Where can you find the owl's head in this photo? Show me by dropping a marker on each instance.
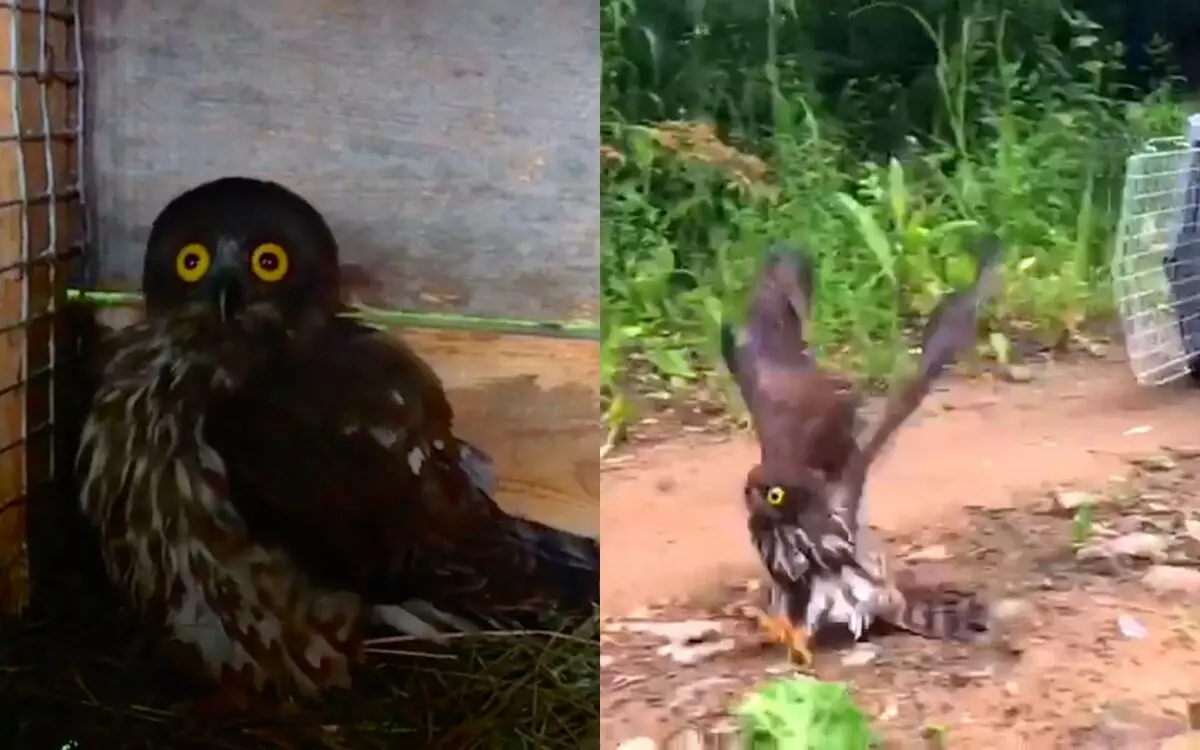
(237, 244)
(780, 500)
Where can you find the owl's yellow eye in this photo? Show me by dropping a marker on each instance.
(269, 262)
(192, 262)
(775, 496)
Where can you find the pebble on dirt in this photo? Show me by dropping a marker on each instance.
(680, 631)
(1172, 578)
(688, 654)
(932, 553)
(1155, 463)
(861, 655)
(1074, 499)
(1018, 373)
(1139, 544)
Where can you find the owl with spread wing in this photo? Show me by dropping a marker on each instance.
(270, 478)
(805, 497)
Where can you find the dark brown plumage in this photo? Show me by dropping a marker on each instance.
(268, 478)
(804, 499)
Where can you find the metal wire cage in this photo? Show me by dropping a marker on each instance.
(1156, 264)
(41, 229)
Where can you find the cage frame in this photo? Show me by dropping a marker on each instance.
(42, 229)
(1157, 300)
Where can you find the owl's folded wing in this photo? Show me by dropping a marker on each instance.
(346, 457)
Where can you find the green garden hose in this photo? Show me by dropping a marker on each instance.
(583, 330)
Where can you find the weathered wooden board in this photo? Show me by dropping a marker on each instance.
(530, 403)
(453, 145)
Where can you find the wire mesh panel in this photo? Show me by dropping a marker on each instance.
(1156, 266)
(40, 106)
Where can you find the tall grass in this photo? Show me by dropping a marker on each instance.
(723, 135)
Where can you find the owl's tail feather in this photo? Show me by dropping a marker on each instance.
(566, 566)
(940, 613)
(563, 568)
(563, 581)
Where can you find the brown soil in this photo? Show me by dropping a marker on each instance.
(972, 473)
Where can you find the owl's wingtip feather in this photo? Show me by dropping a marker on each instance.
(567, 570)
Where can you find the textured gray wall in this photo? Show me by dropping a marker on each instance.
(453, 145)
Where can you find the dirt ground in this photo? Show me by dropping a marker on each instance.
(1101, 646)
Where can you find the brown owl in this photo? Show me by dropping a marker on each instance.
(269, 477)
(804, 498)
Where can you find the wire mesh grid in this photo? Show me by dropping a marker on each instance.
(1156, 265)
(41, 191)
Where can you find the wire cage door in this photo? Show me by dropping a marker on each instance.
(1156, 265)
(40, 195)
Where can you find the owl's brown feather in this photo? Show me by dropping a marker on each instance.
(269, 479)
(815, 455)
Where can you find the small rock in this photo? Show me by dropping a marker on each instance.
(689, 738)
(1183, 451)
(1192, 527)
(1017, 373)
(1012, 608)
(691, 693)
(607, 660)
(638, 743)
(689, 654)
(1139, 544)
(932, 553)
(1171, 578)
(1093, 551)
(861, 655)
(1131, 628)
(1186, 741)
(1072, 499)
(1155, 463)
(725, 727)
(683, 631)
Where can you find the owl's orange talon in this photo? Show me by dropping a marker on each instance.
(780, 630)
(798, 650)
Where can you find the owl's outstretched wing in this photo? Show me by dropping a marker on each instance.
(344, 454)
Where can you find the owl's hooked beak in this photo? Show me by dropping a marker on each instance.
(228, 282)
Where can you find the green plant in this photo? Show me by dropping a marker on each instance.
(802, 713)
(729, 127)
